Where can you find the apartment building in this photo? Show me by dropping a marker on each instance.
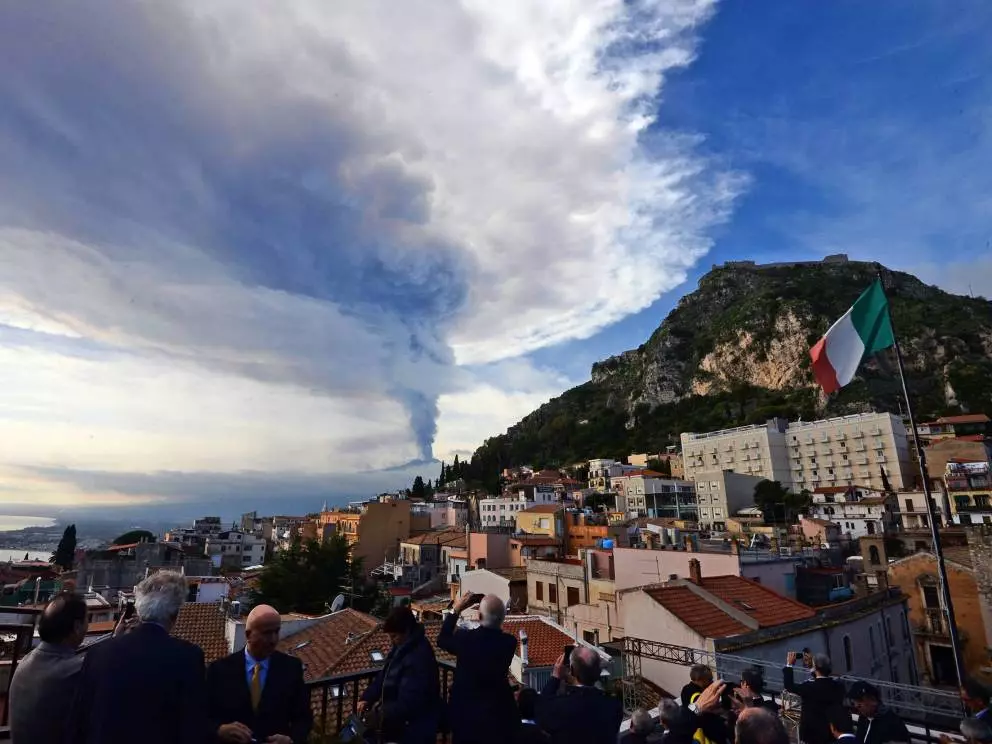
(233, 549)
(804, 455)
(858, 512)
(602, 471)
(969, 492)
(645, 493)
(720, 494)
(373, 529)
(501, 511)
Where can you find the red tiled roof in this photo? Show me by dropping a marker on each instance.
(537, 540)
(203, 625)
(970, 418)
(454, 538)
(541, 509)
(697, 612)
(545, 642)
(322, 645)
(748, 597)
(770, 608)
(358, 658)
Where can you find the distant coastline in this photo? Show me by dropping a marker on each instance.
(10, 523)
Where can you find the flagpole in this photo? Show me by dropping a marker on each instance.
(938, 550)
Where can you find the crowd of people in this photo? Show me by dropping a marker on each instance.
(146, 685)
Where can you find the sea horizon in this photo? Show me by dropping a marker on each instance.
(9, 523)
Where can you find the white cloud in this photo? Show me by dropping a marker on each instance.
(265, 236)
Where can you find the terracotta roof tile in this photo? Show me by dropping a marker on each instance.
(454, 538)
(203, 625)
(697, 612)
(770, 608)
(359, 656)
(545, 641)
(748, 597)
(321, 645)
(541, 509)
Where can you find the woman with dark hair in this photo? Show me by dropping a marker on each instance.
(403, 702)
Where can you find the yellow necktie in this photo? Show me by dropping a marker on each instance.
(256, 686)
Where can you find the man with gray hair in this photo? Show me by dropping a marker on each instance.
(481, 708)
(819, 695)
(643, 729)
(144, 685)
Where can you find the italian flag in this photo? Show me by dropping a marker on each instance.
(863, 330)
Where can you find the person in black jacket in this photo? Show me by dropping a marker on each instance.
(480, 689)
(529, 732)
(404, 698)
(258, 693)
(818, 694)
(876, 723)
(144, 685)
(583, 714)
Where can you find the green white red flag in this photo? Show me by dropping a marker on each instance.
(863, 330)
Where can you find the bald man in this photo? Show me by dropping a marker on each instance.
(258, 694)
(481, 709)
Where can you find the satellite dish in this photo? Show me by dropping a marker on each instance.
(338, 603)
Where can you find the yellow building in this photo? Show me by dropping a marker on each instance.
(542, 519)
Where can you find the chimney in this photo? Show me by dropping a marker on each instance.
(524, 658)
(695, 571)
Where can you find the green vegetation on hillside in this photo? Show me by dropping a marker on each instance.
(946, 340)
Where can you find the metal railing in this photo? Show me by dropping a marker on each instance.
(335, 699)
(929, 710)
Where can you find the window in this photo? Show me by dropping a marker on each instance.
(848, 654)
(552, 593)
(571, 595)
(539, 590)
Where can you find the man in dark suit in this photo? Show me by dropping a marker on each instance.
(819, 694)
(258, 693)
(47, 679)
(583, 714)
(876, 723)
(480, 690)
(144, 685)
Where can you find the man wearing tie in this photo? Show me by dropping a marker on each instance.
(258, 694)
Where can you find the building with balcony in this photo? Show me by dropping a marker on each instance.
(645, 493)
(501, 511)
(373, 529)
(975, 425)
(805, 455)
(916, 576)
(602, 471)
(235, 550)
(857, 511)
(969, 492)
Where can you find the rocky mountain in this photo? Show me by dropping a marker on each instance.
(736, 351)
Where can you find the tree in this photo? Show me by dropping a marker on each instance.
(778, 503)
(419, 489)
(306, 577)
(65, 554)
(134, 536)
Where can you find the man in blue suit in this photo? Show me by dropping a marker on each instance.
(482, 709)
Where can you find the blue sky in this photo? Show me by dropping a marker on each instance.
(253, 258)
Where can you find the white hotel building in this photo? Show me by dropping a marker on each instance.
(844, 451)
